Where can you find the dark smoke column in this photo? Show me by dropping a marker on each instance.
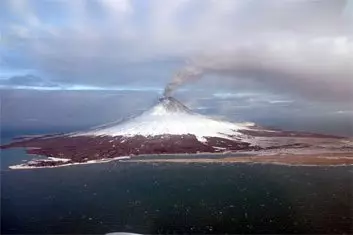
(187, 74)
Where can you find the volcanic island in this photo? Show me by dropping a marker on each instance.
(169, 128)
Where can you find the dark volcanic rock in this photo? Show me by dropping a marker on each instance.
(86, 148)
(260, 132)
(80, 149)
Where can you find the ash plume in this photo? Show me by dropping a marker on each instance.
(187, 74)
(318, 69)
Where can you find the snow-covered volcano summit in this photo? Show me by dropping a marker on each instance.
(169, 105)
(170, 117)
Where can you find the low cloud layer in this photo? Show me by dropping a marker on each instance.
(27, 80)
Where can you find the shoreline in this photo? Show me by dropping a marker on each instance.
(24, 167)
(324, 159)
(290, 159)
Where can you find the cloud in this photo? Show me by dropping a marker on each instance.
(281, 45)
(32, 82)
(319, 68)
(27, 80)
(134, 30)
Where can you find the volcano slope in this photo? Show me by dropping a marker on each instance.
(169, 127)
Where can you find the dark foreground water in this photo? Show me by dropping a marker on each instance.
(175, 198)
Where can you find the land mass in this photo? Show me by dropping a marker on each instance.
(323, 159)
(171, 128)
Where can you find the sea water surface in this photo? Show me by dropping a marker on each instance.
(169, 198)
(174, 198)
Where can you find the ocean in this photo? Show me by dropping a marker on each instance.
(167, 198)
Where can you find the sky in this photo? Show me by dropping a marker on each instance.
(279, 50)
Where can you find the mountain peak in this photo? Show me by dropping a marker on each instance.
(169, 105)
(170, 117)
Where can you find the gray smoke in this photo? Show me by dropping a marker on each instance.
(187, 74)
(314, 69)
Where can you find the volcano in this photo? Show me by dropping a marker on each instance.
(169, 117)
(168, 127)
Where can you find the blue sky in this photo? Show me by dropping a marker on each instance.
(137, 44)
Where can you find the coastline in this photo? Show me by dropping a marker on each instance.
(289, 159)
(26, 167)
